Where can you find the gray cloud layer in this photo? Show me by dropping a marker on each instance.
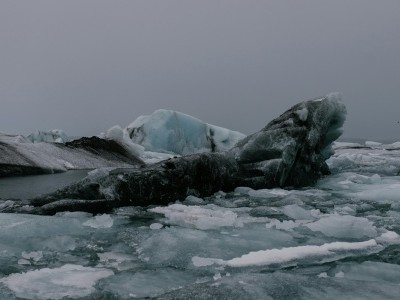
(84, 66)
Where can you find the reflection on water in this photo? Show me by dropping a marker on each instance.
(26, 187)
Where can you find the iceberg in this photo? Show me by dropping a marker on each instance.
(25, 158)
(51, 136)
(290, 151)
(171, 131)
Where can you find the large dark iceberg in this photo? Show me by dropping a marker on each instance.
(289, 152)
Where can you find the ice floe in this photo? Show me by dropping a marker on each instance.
(72, 281)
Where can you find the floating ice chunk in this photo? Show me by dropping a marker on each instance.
(198, 217)
(74, 214)
(243, 190)
(389, 237)
(284, 225)
(371, 271)
(372, 144)
(275, 256)
(100, 221)
(145, 284)
(337, 145)
(51, 136)
(323, 275)
(72, 281)
(339, 274)
(290, 254)
(204, 262)
(344, 227)
(390, 192)
(268, 193)
(34, 255)
(192, 200)
(170, 131)
(119, 261)
(24, 262)
(6, 204)
(59, 243)
(375, 179)
(156, 226)
(296, 212)
(394, 145)
(370, 160)
(217, 276)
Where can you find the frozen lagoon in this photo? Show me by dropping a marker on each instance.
(338, 239)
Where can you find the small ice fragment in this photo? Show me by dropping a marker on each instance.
(34, 255)
(296, 212)
(100, 221)
(372, 144)
(339, 274)
(323, 275)
(389, 237)
(375, 178)
(199, 217)
(345, 226)
(23, 262)
(192, 200)
(284, 225)
(217, 276)
(204, 262)
(243, 190)
(156, 226)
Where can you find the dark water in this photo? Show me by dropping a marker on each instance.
(26, 187)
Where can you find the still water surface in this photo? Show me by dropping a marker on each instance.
(26, 187)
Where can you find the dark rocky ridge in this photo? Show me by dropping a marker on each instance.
(290, 151)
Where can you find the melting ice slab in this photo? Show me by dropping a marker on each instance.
(71, 281)
(289, 255)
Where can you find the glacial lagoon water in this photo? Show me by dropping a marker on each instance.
(25, 187)
(336, 240)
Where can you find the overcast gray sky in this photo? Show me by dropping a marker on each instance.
(84, 66)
